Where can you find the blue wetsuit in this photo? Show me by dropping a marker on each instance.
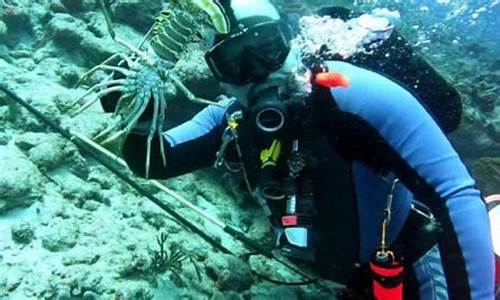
(379, 123)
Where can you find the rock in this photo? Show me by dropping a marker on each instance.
(229, 272)
(154, 218)
(80, 191)
(80, 279)
(59, 236)
(135, 290)
(4, 138)
(227, 296)
(22, 233)
(493, 127)
(69, 76)
(79, 166)
(471, 139)
(51, 152)
(10, 111)
(91, 205)
(45, 106)
(495, 65)
(28, 140)
(79, 255)
(66, 29)
(47, 150)
(46, 52)
(78, 5)
(97, 49)
(276, 292)
(193, 71)
(17, 18)
(63, 295)
(57, 7)
(89, 295)
(70, 33)
(102, 176)
(9, 281)
(487, 102)
(5, 114)
(89, 123)
(139, 14)
(136, 262)
(97, 24)
(20, 181)
(3, 98)
(486, 171)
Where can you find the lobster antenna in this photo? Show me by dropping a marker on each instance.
(108, 19)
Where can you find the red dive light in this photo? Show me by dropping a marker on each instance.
(332, 80)
(387, 279)
(493, 203)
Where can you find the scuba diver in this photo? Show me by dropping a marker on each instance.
(357, 177)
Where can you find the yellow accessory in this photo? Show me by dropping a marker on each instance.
(233, 124)
(270, 156)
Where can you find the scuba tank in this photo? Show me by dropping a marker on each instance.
(493, 205)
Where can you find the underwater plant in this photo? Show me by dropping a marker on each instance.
(171, 260)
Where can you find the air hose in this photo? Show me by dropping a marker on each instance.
(83, 144)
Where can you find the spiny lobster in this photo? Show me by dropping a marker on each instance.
(141, 75)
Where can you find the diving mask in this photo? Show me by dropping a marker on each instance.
(250, 54)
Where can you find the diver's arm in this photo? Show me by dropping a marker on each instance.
(190, 146)
(394, 130)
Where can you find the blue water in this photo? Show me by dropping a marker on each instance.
(469, 21)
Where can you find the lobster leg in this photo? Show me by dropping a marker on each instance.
(99, 95)
(138, 112)
(163, 108)
(87, 75)
(94, 69)
(188, 94)
(109, 129)
(152, 129)
(120, 103)
(116, 124)
(97, 86)
(139, 107)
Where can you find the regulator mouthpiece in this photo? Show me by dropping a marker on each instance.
(270, 119)
(270, 111)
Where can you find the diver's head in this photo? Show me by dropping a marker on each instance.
(253, 51)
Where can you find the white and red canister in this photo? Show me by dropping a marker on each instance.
(493, 203)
